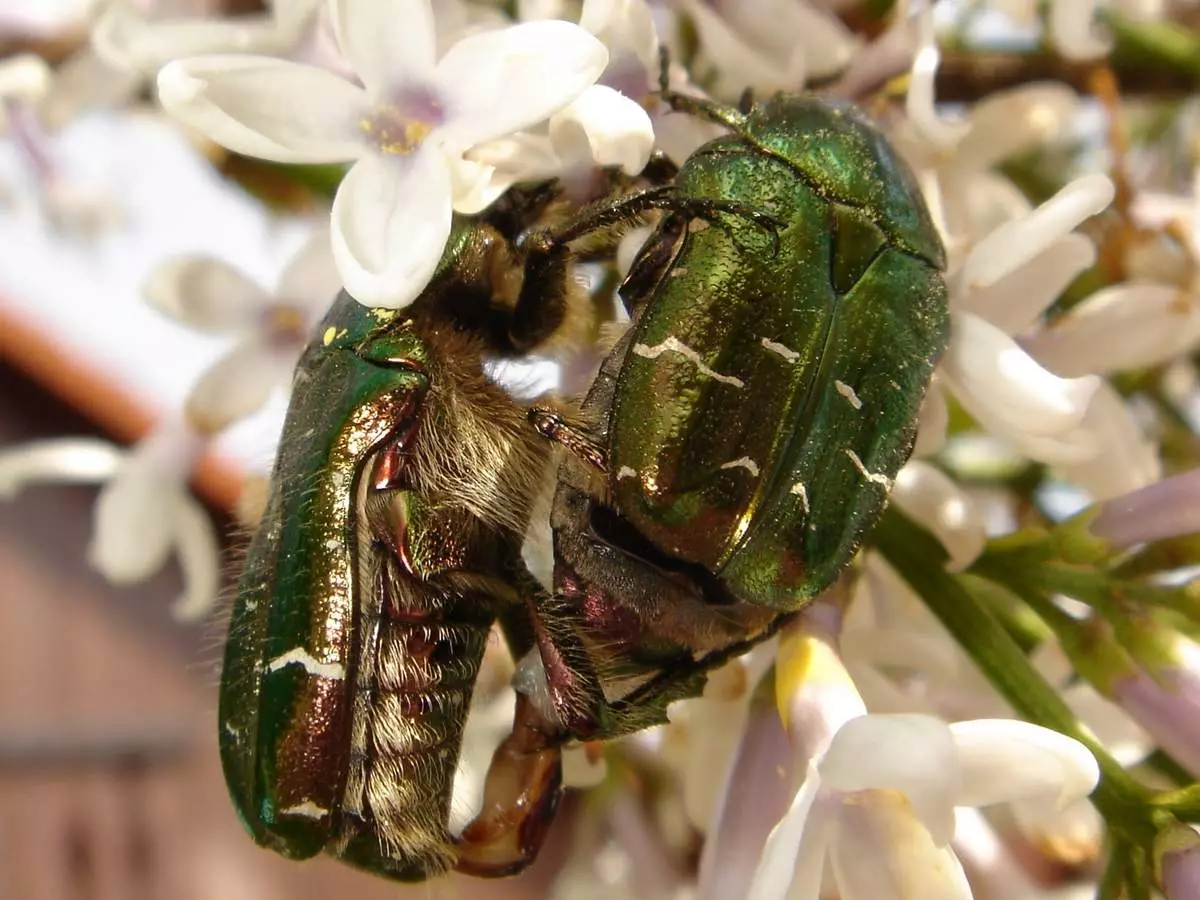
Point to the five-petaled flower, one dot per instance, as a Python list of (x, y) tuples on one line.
[(407, 126)]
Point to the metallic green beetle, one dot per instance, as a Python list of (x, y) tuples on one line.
[(390, 544), (753, 418)]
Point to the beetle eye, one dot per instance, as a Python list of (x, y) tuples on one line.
[(856, 242)]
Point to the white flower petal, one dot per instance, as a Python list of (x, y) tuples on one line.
[(1016, 243), (623, 25), (912, 754), (310, 280), (606, 127), (1014, 302), (1006, 390), (388, 42), (1126, 326), (919, 101), (1007, 123), (935, 500), (476, 185), (133, 518), (781, 27), (204, 293), (391, 219), (792, 858), (502, 81), (1072, 32), (24, 77), (933, 421), (199, 554), (882, 852), (266, 107), (238, 384), (127, 39), (1005, 759), (1126, 458), (737, 62), (84, 82), (58, 461)]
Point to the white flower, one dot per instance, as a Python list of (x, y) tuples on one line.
[(273, 327), (768, 46), (607, 124), (144, 511), (128, 39), (877, 808), (930, 497), (407, 126)]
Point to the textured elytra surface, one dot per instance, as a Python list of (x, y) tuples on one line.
[(369, 591), (768, 399)]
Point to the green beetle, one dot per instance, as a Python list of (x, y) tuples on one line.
[(747, 429), (390, 543)]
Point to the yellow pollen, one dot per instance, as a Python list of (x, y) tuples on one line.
[(395, 135), (329, 335)]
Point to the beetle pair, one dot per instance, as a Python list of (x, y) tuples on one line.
[(741, 440)]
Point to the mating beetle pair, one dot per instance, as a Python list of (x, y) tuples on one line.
[(733, 451)]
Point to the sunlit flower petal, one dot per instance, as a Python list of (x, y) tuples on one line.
[(793, 857), (1009, 393), (1007, 123), (1125, 459), (388, 42), (919, 101), (1004, 760), (391, 219), (502, 81), (921, 762), (1015, 301), (267, 107), (1017, 242), (933, 499), (882, 851), (606, 128), (1126, 326)]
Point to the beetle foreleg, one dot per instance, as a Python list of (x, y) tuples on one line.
[(520, 797)]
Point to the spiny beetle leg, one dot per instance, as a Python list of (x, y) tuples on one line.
[(521, 795)]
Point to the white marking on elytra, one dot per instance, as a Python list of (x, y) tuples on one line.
[(307, 810), (744, 462), (893, 384), (679, 271), (786, 352), (848, 392), (333, 544), (673, 343), (802, 492), (873, 477), (301, 657), (626, 472)]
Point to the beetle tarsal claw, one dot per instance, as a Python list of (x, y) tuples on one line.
[(520, 797)]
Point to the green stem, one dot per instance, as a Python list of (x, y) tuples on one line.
[(920, 560)]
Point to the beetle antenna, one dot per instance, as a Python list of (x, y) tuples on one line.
[(700, 107)]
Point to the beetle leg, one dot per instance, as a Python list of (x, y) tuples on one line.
[(552, 426), (520, 797)]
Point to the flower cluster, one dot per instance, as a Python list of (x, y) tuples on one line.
[(932, 725)]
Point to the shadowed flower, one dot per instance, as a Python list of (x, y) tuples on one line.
[(407, 126)]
